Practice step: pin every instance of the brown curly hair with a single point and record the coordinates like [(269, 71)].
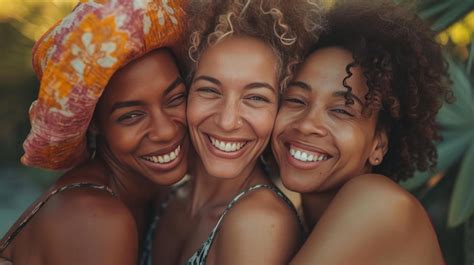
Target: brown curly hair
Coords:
[(288, 27), (406, 77)]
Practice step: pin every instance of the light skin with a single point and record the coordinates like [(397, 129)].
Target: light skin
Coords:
[(141, 114), (354, 217), (233, 99)]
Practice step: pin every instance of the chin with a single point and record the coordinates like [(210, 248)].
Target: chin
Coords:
[(297, 183), (224, 172)]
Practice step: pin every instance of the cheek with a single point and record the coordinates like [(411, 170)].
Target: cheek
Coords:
[(262, 120), (123, 139), (196, 111)]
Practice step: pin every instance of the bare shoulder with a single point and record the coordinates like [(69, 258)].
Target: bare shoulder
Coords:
[(265, 224), (86, 225), (376, 222)]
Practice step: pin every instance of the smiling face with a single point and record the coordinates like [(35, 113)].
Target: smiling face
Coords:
[(319, 140), (232, 105), (142, 118)]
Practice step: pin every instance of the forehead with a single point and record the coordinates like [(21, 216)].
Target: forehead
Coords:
[(239, 58), (326, 69), (151, 73)]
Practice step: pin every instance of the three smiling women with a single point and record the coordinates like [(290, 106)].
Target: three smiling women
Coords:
[(353, 107)]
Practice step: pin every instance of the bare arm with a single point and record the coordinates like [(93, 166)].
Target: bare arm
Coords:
[(87, 227), (260, 229), (372, 221)]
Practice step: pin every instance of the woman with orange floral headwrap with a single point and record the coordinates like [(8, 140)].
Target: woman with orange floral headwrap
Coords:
[(104, 73)]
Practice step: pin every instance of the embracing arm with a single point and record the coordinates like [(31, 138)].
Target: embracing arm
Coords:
[(258, 231), (372, 221), (87, 227)]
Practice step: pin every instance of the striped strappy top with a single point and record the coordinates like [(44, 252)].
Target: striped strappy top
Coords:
[(199, 257)]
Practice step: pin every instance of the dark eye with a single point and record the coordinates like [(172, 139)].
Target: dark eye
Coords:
[(130, 118), (177, 100), (294, 101), (343, 112), (207, 90)]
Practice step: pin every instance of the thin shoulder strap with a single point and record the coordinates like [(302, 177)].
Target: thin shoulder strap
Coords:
[(200, 255), (4, 244), (148, 243)]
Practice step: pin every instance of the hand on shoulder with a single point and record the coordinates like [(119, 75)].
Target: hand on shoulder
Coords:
[(372, 220)]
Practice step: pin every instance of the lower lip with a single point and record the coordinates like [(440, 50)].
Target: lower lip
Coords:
[(222, 154), (166, 166), (302, 165)]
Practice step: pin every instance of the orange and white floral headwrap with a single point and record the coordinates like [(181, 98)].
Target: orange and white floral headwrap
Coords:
[(74, 61)]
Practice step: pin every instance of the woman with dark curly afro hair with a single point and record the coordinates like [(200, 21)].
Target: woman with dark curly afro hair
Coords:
[(358, 117)]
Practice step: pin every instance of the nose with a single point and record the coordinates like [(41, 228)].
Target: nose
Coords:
[(162, 128), (228, 117), (312, 123)]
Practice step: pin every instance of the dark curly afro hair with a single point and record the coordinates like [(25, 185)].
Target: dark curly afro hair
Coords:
[(406, 77)]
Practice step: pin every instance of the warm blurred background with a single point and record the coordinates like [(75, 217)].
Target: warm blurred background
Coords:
[(447, 194)]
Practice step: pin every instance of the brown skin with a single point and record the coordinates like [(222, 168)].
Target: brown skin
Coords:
[(232, 105), (86, 226), (354, 217)]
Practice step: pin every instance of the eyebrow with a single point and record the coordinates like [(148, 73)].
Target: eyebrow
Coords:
[(300, 84), (351, 95), (260, 85), (131, 103), (249, 86), (341, 93), (208, 78)]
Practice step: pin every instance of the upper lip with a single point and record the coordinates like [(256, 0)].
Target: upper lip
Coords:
[(228, 139), (308, 147), (167, 149)]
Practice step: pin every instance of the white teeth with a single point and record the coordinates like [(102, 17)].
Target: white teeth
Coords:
[(306, 156), (162, 159), (226, 146)]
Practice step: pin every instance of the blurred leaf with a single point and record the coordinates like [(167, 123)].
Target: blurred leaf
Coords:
[(454, 14), (449, 151), (434, 10), (462, 201)]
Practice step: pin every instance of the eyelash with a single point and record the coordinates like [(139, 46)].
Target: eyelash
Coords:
[(342, 111), (129, 118), (207, 90), (180, 96), (295, 101), (258, 98)]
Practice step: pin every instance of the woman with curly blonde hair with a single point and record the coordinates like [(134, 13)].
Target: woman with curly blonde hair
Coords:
[(241, 55)]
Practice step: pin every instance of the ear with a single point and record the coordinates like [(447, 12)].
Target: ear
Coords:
[(379, 148), (93, 127)]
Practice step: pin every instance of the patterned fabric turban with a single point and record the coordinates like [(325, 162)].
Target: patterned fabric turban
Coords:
[(74, 61)]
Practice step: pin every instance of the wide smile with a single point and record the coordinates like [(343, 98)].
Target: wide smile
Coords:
[(165, 159), (305, 158), (226, 148)]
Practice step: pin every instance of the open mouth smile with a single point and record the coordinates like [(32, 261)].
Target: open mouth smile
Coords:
[(165, 158), (226, 148), (305, 159)]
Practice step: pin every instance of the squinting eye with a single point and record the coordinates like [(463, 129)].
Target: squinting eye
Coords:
[(294, 101), (207, 90), (342, 111), (177, 100), (130, 118), (258, 98)]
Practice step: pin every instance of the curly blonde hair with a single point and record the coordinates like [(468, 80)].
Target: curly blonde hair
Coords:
[(288, 27)]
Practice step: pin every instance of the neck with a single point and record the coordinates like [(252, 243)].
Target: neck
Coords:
[(315, 204), (133, 189), (212, 191)]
